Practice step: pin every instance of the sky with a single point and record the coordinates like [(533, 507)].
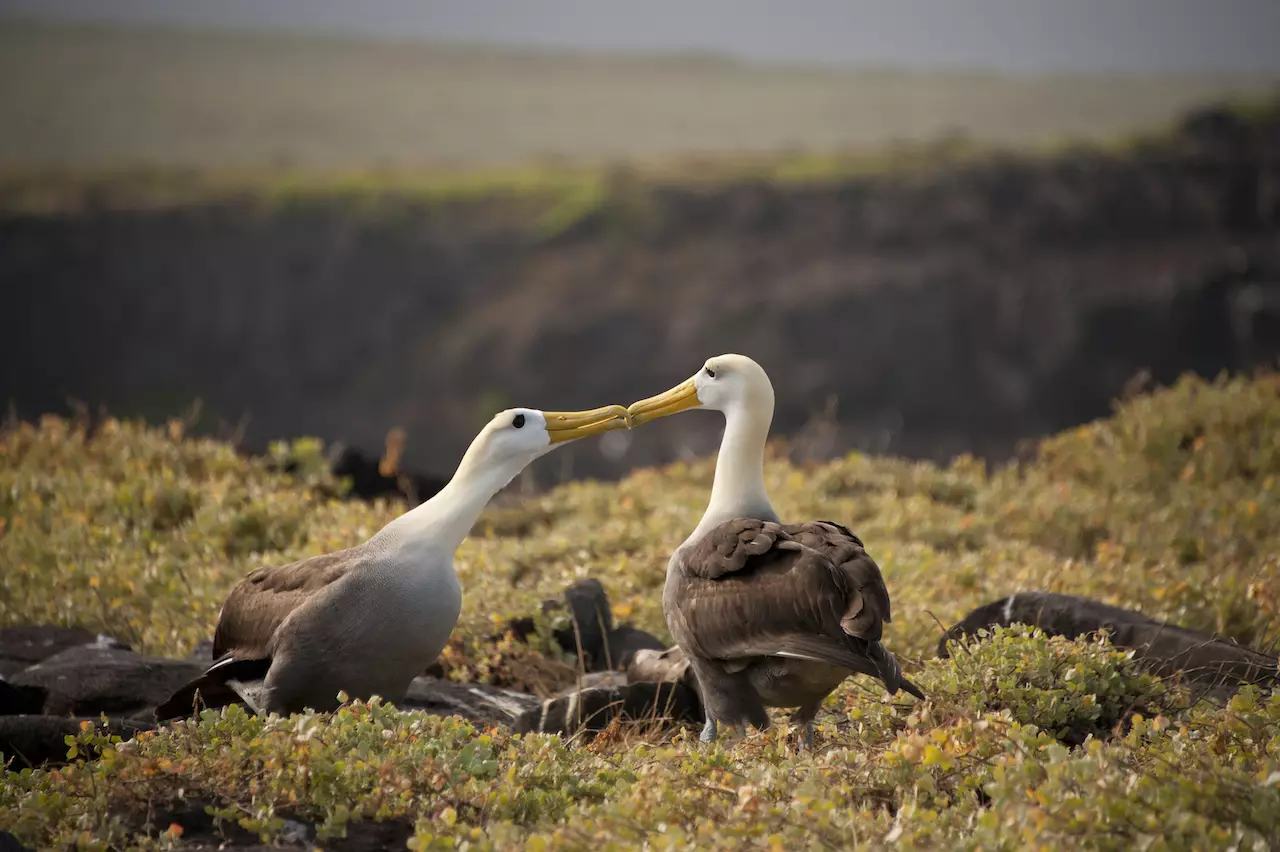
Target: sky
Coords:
[(1020, 36)]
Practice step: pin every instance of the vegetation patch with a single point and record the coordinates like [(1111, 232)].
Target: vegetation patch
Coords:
[(1169, 507)]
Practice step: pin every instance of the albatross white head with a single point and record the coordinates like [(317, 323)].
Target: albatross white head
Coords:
[(740, 388), (505, 446)]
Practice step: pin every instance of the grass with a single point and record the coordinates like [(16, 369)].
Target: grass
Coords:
[(548, 195), (1170, 506), (558, 192)]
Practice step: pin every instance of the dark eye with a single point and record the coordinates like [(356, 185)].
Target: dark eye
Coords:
[(711, 374), (519, 421)]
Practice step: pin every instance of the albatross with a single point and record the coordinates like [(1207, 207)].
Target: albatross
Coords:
[(368, 619), (769, 614)]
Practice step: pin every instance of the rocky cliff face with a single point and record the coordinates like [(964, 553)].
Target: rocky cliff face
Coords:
[(921, 316)]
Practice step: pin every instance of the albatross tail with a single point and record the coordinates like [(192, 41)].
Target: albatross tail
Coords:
[(888, 670), (228, 681)]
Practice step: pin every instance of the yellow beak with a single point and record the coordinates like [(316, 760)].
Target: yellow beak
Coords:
[(680, 398), (571, 425)]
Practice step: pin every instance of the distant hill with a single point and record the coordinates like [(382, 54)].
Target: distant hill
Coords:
[(99, 95), (922, 314)]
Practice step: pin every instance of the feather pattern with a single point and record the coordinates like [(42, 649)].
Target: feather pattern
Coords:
[(751, 588)]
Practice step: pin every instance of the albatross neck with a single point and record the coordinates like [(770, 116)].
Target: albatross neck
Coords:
[(447, 518), (738, 489)]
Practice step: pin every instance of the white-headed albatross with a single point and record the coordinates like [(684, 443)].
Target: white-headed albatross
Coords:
[(368, 619), (769, 614)]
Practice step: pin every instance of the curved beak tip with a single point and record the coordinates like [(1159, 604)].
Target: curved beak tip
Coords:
[(571, 425)]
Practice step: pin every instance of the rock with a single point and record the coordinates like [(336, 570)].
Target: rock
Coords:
[(479, 703), (598, 644), (669, 665), (202, 652), (589, 711), (625, 641), (369, 478), (593, 680), (9, 843), (1214, 664), (590, 613), (18, 700), (90, 680), (36, 740), (23, 646)]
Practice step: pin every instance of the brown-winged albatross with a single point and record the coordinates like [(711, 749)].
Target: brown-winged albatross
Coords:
[(769, 614), (368, 619)]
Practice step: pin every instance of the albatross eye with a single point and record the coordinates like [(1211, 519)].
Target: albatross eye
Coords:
[(711, 374), (519, 421)]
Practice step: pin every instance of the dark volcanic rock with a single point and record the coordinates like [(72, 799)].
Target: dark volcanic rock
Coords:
[(669, 665), (594, 680), (89, 680), (35, 740), (1217, 665), (591, 635), (479, 703), (591, 620), (202, 833), (202, 652), (9, 843), (23, 646), (590, 711), (368, 481), (17, 700), (625, 642)]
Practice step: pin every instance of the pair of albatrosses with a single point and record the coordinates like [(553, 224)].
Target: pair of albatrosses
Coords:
[(768, 614), (369, 619)]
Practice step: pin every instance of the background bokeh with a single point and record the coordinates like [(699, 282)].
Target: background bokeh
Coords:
[(941, 227)]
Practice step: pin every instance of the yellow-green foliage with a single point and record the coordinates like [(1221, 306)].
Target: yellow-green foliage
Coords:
[(1170, 507)]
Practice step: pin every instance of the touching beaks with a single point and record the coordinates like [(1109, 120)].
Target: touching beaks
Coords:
[(571, 425), (680, 398)]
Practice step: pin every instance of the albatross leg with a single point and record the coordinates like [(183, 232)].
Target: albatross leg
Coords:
[(729, 701), (803, 719), (708, 734)]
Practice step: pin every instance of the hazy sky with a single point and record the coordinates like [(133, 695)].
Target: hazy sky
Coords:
[(1011, 35)]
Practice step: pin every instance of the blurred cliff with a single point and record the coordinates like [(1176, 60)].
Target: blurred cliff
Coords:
[(959, 310)]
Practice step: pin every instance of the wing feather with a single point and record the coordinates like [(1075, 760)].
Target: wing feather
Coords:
[(264, 598), (756, 588)]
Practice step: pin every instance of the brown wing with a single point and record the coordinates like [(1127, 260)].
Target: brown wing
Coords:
[(869, 610), (264, 598), (751, 589)]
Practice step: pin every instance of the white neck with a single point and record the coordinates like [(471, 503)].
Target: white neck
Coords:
[(447, 518), (738, 489)]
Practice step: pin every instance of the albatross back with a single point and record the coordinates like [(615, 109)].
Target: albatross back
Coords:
[(751, 591)]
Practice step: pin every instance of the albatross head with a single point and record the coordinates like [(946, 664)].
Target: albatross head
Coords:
[(740, 388), (733, 384), (517, 436), (507, 443)]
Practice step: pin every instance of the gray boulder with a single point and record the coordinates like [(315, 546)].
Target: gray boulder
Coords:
[(1210, 664), (38, 740), (26, 645), (479, 703), (94, 679)]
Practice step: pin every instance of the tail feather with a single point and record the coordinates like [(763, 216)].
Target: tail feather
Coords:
[(228, 681), (888, 670)]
